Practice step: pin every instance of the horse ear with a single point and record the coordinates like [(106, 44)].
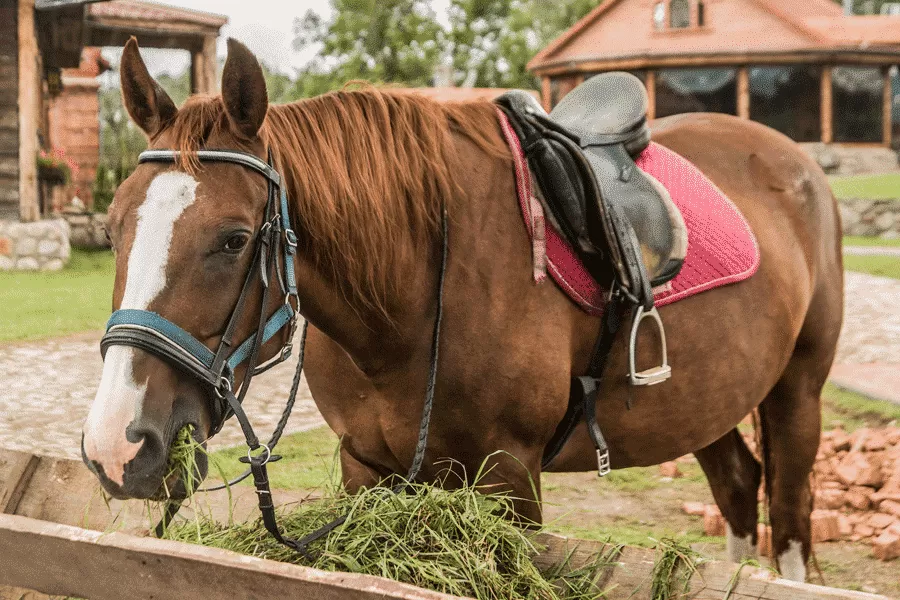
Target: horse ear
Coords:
[(148, 104), (244, 90)]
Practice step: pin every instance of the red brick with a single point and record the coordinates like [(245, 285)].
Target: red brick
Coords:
[(886, 546), (670, 470), (764, 535), (713, 522), (825, 526), (890, 507), (860, 497), (830, 499), (845, 526), (5, 246), (881, 521), (695, 509)]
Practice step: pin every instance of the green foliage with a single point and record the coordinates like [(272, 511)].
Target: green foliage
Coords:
[(120, 144), (854, 411), (866, 7), (74, 299)]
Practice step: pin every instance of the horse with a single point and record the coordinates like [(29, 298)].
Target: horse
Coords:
[(369, 172)]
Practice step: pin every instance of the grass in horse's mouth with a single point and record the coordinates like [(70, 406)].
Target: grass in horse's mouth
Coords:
[(459, 542), (182, 465)]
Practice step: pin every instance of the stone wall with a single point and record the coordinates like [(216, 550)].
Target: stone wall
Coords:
[(88, 229), (38, 246), (836, 159), (875, 218)]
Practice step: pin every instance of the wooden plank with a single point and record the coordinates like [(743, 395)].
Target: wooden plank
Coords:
[(63, 560), (743, 87), (545, 94), (203, 67), (16, 470), (631, 577), (827, 106), (888, 104), (650, 83), (29, 112)]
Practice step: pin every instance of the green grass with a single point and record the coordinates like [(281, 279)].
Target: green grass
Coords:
[(40, 305), (636, 533), (881, 266), (854, 411), (309, 461), (855, 240), (873, 187)]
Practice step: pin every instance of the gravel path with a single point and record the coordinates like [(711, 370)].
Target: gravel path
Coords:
[(48, 386), (872, 250)]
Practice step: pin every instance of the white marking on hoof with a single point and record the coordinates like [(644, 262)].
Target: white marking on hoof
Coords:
[(791, 563), (739, 548)]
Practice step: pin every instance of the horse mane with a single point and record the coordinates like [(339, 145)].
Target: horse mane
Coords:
[(367, 171)]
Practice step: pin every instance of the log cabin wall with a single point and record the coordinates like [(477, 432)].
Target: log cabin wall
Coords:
[(9, 111)]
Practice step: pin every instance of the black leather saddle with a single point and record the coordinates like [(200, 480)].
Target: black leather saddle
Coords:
[(622, 223)]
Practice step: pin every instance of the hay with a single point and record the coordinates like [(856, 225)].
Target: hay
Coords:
[(457, 542)]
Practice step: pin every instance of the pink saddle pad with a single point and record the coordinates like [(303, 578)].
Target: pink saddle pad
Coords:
[(721, 246)]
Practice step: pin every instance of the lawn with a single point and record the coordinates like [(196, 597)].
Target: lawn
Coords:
[(867, 186), (882, 266), (39, 305), (871, 242)]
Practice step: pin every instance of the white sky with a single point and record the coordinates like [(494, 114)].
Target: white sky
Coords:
[(265, 26)]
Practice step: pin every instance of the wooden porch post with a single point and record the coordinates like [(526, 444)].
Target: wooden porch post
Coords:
[(30, 91), (743, 88), (545, 93), (203, 66), (827, 106), (888, 107), (651, 94)]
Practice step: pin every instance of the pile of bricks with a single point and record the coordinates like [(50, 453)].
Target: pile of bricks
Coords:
[(857, 493)]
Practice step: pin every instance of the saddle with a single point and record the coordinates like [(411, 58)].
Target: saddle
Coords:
[(621, 222)]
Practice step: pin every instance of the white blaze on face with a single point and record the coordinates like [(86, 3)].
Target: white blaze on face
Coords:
[(119, 397)]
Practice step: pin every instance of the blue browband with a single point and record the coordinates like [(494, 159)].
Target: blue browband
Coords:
[(153, 333)]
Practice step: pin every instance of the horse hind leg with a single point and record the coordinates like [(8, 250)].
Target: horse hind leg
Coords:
[(734, 476)]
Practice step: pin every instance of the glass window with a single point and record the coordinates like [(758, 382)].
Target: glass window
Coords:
[(559, 87), (659, 15), (858, 104), (789, 100), (696, 90), (679, 14)]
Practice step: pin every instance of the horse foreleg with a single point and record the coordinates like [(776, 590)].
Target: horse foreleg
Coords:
[(734, 476), (791, 425)]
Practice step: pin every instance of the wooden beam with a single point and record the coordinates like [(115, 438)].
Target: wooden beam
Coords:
[(30, 88), (887, 123), (545, 93), (743, 89), (827, 106), (203, 67), (650, 83), (69, 561)]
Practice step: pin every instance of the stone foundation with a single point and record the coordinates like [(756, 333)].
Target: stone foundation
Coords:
[(872, 218), (88, 230), (38, 246)]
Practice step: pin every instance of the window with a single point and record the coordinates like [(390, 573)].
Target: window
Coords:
[(696, 90), (788, 99), (659, 15), (858, 104), (679, 14), (701, 13)]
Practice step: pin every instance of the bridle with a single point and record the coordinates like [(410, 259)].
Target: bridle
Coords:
[(276, 247)]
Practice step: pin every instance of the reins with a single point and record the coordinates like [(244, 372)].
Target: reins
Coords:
[(153, 333)]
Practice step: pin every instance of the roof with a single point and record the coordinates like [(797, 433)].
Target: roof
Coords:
[(151, 12), (623, 28)]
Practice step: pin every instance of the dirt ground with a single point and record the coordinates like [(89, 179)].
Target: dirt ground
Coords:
[(638, 506)]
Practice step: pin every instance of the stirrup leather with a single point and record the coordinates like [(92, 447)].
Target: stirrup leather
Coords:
[(655, 375)]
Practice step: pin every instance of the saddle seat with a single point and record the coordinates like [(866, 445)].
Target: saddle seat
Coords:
[(582, 156)]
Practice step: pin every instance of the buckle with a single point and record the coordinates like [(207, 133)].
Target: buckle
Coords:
[(290, 238), (655, 375), (603, 468)]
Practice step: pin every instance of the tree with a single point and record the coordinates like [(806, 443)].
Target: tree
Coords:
[(392, 41), (495, 39), (867, 7)]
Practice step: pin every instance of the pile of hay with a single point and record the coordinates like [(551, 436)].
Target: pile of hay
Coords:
[(457, 542)]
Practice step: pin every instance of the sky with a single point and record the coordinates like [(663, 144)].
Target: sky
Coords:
[(265, 26)]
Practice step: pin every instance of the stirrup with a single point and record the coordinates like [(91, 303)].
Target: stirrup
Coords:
[(654, 375)]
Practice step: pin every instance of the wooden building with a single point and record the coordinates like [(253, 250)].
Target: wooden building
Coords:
[(39, 39), (801, 67)]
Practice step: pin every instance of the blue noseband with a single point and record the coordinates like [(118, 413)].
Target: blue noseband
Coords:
[(157, 335)]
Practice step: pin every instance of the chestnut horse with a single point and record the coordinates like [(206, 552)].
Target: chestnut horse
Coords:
[(367, 172)]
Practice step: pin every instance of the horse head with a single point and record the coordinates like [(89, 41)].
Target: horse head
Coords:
[(184, 237)]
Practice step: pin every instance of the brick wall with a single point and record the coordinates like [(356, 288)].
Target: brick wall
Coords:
[(9, 112)]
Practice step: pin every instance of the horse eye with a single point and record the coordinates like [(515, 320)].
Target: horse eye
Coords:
[(237, 242)]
